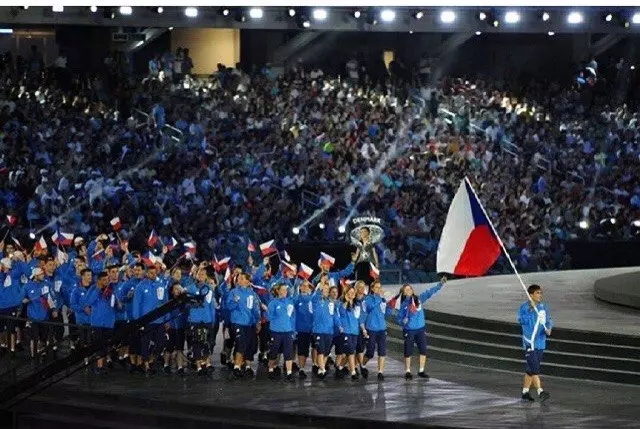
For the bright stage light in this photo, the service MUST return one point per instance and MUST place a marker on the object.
(256, 13)
(320, 14)
(191, 12)
(575, 18)
(447, 16)
(387, 15)
(295, 230)
(126, 10)
(512, 17)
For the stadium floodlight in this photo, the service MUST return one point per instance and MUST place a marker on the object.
(306, 24)
(447, 16)
(551, 33)
(583, 224)
(160, 9)
(633, 68)
(357, 14)
(512, 17)
(342, 229)
(636, 223)
(320, 14)
(478, 33)
(609, 17)
(25, 7)
(191, 12)
(126, 10)
(256, 13)
(295, 230)
(292, 12)
(58, 8)
(225, 12)
(545, 16)
(321, 226)
(419, 15)
(387, 15)
(575, 18)
(482, 16)
(93, 9)
(636, 18)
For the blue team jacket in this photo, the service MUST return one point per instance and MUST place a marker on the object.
(11, 289)
(527, 319)
(415, 319)
(282, 315)
(375, 308)
(304, 312)
(77, 303)
(246, 310)
(351, 318)
(103, 312)
(205, 312)
(38, 293)
(149, 295)
(122, 293)
(326, 315)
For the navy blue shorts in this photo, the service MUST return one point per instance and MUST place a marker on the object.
(417, 337)
(304, 342)
(377, 340)
(323, 343)
(281, 342)
(360, 343)
(338, 343)
(153, 338)
(533, 359)
(9, 325)
(349, 343)
(245, 340)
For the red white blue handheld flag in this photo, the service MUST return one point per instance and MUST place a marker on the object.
(326, 259)
(40, 245)
(468, 245)
(115, 223)
(62, 238)
(251, 247)
(305, 271)
(268, 247)
(171, 244)
(153, 238)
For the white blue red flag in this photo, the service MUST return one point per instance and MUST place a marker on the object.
(62, 238)
(468, 245)
(268, 247)
(153, 238)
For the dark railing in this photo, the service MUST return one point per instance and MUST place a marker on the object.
(28, 378)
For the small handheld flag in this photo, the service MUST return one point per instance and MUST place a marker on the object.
(305, 271)
(115, 223)
(171, 244)
(11, 219)
(62, 238)
(40, 245)
(326, 259)
(268, 247)
(373, 271)
(251, 247)
(153, 238)
(191, 247)
(221, 264)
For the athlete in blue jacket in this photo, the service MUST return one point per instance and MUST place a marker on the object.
(376, 308)
(411, 318)
(536, 326)
(78, 305)
(333, 277)
(304, 325)
(11, 294)
(326, 321)
(352, 319)
(125, 293)
(102, 301)
(282, 315)
(150, 294)
(200, 320)
(244, 314)
(40, 300)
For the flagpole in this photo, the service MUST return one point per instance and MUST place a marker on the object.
(504, 249)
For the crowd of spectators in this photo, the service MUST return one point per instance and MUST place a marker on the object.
(247, 156)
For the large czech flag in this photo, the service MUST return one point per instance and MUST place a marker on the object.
(468, 245)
